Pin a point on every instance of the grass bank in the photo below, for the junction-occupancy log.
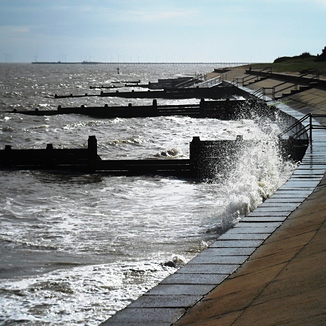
(294, 66)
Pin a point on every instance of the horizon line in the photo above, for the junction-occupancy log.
(134, 62)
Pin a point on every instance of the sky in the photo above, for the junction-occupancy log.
(234, 31)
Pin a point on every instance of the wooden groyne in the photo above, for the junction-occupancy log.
(207, 160)
(221, 91)
(50, 158)
(223, 110)
(88, 160)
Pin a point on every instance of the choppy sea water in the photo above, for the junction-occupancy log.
(77, 248)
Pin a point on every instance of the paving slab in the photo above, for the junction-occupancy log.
(284, 204)
(290, 193)
(255, 227)
(222, 251)
(181, 289)
(145, 316)
(228, 260)
(267, 213)
(263, 219)
(195, 278)
(281, 209)
(275, 200)
(308, 172)
(244, 236)
(177, 301)
(249, 231)
(300, 184)
(209, 268)
(236, 244)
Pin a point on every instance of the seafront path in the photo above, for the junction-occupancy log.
(270, 269)
(284, 280)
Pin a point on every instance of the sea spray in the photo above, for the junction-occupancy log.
(257, 172)
(77, 248)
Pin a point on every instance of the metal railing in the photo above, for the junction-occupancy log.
(298, 129)
(259, 93)
(314, 75)
(210, 82)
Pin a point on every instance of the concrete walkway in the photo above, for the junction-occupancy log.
(269, 269)
(284, 281)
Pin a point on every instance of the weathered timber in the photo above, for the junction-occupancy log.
(50, 158)
(220, 91)
(87, 160)
(165, 83)
(223, 110)
(208, 160)
(166, 167)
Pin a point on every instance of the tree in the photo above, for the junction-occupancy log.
(322, 56)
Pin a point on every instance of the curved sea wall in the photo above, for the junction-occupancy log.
(167, 302)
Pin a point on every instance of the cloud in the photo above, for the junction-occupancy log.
(322, 2)
(9, 30)
(156, 16)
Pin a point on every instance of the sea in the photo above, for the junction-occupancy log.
(75, 248)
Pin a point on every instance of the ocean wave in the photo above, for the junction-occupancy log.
(18, 243)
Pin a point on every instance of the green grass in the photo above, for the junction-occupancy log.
(293, 66)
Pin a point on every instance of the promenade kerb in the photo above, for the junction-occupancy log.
(270, 268)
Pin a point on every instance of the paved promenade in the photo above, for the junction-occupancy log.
(270, 269)
(284, 281)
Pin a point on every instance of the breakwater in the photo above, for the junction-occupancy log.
(207, 158)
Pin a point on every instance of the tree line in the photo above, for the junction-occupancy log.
(304, 56)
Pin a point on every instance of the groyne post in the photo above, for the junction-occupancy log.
(92, 153)
(155, 107)
(202, 108)
(7, 155)
(49, 156)
(211, 159)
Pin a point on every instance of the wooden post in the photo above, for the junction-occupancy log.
(195, 162)
(92, 153)
(205, 158)
(49, 157)
(155, 107)
(212, 159)
(202, 108)
(7, 155)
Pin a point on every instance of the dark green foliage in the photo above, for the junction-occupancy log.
(282, 59)
(322, 56)
(303, 56)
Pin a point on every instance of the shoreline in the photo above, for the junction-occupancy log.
(283, 281)
(240, 292)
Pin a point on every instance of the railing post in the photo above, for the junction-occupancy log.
(310, 128)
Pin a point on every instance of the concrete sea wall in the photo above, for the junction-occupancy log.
(219, 286)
